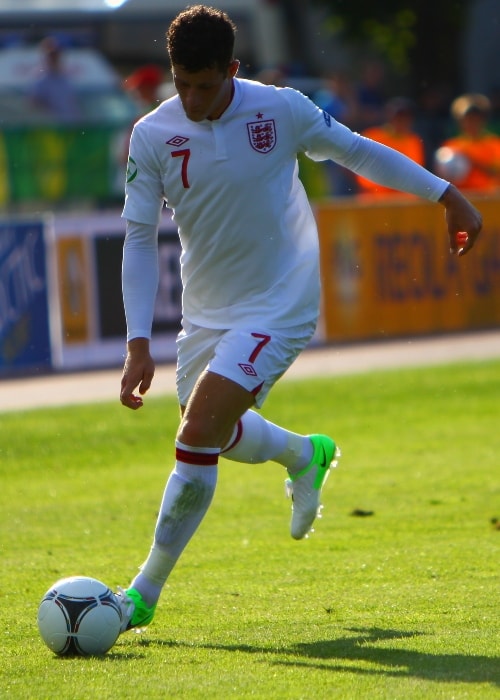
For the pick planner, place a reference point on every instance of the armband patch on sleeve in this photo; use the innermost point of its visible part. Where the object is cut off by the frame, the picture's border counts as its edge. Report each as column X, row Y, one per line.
column 131, row 169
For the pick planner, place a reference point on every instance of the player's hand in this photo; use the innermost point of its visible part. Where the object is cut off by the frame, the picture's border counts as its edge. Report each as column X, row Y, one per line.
column 463, row 220
column 138, row 372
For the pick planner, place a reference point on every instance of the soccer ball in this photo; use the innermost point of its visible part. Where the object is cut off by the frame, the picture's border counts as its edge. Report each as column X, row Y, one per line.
column 79, row 615
column 451, row 165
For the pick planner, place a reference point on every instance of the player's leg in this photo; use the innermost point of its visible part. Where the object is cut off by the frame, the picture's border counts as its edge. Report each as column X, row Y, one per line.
column 220, row 400
column 307, row 458
column 255, row 440
column 186, row 498
column 261, row 358
column 215, row 404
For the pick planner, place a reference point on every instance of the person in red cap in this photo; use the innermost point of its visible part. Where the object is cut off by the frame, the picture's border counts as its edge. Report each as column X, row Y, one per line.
column 144, row 83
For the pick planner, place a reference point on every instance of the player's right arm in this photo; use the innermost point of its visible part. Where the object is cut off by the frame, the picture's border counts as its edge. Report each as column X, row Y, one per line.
column 138, row 372
column 143, row 204
column 139, row 284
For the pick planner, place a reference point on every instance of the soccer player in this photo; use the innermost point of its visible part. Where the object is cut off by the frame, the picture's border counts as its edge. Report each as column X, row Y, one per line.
column 222, row 154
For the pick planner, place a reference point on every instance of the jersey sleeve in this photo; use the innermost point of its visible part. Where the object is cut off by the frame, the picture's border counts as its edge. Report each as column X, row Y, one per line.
column 140, row 278
column 321, row 137
column 143, row 189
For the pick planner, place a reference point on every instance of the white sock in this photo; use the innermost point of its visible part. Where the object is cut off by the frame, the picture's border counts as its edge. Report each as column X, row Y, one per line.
column 257, row 440
column 186, row 499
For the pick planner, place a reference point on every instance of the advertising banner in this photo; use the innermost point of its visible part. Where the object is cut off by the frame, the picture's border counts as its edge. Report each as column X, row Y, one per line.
column 90, row 315
column 50, row 165
column 24, row 308
column 387, row 271
column 108, row 261
column 74, row 271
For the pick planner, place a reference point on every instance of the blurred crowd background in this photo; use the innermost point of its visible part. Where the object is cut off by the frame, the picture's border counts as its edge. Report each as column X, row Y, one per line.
column 74, row 76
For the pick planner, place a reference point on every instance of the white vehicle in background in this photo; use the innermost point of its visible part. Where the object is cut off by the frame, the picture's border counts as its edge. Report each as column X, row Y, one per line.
column 45, row 158
column 101, row 98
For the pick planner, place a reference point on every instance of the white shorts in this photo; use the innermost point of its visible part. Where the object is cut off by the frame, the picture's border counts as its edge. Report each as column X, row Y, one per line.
column 255, row 359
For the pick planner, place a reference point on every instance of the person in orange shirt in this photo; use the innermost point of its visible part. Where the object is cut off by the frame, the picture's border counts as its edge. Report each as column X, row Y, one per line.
column 471, row 159
column 397, row 132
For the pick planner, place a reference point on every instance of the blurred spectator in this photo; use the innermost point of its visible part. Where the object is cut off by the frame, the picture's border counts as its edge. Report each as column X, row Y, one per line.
column 53, row 91
column 272, row 76
column 144, row 84
column 471, row 159
column 433, row 122
column 494, row 120
column 4, row 174
column 338, row 98
column 371, row 94
column 396, row 132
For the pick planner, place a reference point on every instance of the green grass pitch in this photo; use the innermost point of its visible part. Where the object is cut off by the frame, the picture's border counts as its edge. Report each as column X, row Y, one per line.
column 400, row 604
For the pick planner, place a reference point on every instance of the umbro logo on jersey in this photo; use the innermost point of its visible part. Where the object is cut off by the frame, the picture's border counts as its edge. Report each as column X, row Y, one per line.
column 177, row 141
column 262, row 135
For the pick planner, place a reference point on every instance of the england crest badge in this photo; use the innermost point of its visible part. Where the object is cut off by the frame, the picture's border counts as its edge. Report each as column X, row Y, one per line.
column 262, row 135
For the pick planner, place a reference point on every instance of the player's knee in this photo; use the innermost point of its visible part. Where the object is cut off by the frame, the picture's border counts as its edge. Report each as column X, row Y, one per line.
column 198, row 433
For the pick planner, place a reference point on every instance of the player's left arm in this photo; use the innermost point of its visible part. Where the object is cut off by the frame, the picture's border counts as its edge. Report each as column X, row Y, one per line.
column 321, row 137
column 326, row 138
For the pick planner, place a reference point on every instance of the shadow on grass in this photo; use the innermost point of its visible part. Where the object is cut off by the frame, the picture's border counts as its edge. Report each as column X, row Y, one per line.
column 360, row 646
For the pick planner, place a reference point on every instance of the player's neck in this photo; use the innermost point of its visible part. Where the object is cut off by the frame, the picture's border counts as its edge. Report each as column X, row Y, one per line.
column 225, row 104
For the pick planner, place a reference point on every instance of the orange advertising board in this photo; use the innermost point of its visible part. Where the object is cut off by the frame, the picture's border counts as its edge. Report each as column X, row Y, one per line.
column 73, row 274
column 387, row 270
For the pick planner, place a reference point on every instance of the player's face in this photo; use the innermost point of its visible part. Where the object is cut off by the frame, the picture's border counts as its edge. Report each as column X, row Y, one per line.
column 206, row 93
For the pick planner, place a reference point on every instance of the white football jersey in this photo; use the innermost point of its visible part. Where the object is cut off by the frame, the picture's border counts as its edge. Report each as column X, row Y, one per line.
column 248, row 235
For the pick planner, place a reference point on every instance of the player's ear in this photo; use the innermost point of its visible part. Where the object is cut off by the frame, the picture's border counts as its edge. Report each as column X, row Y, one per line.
column 233, row 68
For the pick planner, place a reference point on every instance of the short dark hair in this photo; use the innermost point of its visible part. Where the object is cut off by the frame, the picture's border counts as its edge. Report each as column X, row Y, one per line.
column 201, row 37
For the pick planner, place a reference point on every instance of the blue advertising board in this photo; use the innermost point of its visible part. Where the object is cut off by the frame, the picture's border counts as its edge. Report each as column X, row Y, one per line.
column 24, row 308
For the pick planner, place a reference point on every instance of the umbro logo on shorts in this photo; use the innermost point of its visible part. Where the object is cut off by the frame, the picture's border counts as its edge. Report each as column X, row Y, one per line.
column 248, row 369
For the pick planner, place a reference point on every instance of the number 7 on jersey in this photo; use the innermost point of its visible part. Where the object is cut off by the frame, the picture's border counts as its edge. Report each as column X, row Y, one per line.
column 185, row 153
